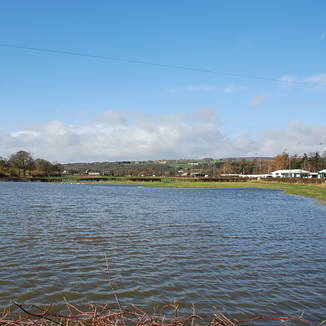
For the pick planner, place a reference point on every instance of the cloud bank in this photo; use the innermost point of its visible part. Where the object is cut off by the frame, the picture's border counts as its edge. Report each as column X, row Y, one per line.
column 129, row 135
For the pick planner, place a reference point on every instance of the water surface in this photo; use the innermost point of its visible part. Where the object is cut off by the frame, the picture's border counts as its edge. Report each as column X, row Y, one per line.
column 246, row 251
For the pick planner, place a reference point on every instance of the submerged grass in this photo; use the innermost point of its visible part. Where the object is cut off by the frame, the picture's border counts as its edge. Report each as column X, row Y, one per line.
column 298, row 187
column 317, row 191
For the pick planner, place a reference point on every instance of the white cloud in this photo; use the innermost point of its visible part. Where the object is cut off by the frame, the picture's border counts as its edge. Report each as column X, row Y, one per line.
column 233, row 88
column 288, row 79
column 190, row 89
column 317, row 80
column 109, row 137
column 25, row 134
column 205, row 114
column 207, row 88
column 298, row 138
column 258, row 100
column 112, row 117
column 181, row 135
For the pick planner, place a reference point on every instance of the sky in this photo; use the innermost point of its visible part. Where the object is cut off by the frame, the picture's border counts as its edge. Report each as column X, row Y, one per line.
column 104, row 80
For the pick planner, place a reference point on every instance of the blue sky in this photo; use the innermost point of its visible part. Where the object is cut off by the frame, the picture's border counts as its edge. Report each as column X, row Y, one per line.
column 137, row 80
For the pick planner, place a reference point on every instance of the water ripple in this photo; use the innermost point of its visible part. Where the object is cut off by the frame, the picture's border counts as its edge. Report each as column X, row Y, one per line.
column 247, row 251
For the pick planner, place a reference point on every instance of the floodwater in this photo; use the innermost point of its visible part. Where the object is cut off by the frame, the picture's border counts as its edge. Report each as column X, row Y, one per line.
column 247, row 252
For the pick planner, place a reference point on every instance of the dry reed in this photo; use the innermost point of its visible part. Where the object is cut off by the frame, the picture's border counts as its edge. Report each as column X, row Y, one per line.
column 104, row 316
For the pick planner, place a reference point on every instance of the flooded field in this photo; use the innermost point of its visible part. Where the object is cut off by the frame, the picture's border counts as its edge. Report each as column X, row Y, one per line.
column 247, row 251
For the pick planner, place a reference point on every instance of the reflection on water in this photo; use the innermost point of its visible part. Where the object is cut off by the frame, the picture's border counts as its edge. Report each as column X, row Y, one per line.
column 248, row 252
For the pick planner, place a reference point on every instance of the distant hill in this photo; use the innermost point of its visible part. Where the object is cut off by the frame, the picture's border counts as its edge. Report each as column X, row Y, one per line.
column 162, row 165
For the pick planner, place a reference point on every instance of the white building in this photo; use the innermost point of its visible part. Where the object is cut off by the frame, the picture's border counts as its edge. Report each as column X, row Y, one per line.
column 293, row 173
column 322, row 174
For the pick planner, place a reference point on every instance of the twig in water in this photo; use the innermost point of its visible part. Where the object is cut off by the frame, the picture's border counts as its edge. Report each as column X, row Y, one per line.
column 223, row 319
column 36, row 315
column 275, row 318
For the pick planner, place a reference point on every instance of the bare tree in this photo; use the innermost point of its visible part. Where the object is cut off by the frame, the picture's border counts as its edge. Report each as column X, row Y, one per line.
column 3, row 163
column 280, row 162
column 228, row 166
column 22, row 161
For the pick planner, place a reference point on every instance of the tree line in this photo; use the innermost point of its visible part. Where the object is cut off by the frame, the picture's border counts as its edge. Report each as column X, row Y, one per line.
column 208, row 166
column 312, row 162
column 22, row 163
